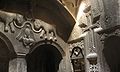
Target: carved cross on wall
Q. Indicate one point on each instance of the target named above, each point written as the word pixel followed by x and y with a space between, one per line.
pixel 91 26
pixel 92 36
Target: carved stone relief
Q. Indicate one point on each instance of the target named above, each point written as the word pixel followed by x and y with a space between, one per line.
pixel 77 56
pixel 47 31
pixel 92 58
pixel 9 19
pixel 77 59
pixel 27 27
pixel 93 68
pixel 78 44
pixel 96 9
pixel 26 36
pixel 93 12
pixel 92 54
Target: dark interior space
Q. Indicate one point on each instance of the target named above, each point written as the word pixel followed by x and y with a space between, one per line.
pixel 4 57
pixel 112 53
pixel 45 58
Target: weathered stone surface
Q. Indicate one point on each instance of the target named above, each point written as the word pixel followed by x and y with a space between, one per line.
pixel 18 65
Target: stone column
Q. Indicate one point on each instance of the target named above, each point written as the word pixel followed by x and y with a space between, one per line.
pixel 18 64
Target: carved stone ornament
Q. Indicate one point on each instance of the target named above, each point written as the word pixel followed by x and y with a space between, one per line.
pixel 47 35
pixel 47 32
pixel 78 44
pixel 77 53
pixel 9 19
pixel 35 25
pixel 27 27
pixel 93 68
pixel 14 19
pixel 92 58
pixel 77 56
pixel 26 35
pixel 77 59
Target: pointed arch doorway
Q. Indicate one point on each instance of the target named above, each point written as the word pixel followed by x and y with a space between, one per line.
pixel 45 58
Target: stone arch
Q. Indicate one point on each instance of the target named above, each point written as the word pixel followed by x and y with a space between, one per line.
pixel 45 56
pixel 9 44
pixel 111 52
pixel 6 53
pixel 48 42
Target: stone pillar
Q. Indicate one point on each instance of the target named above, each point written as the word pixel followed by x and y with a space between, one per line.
pixel 18 64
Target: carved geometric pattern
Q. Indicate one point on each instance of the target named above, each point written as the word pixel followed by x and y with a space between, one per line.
pixel 35 26
pixel 77 44
pixel 93 68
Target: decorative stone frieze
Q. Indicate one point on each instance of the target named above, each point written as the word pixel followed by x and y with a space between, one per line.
pixel 27 28
pixel 78 44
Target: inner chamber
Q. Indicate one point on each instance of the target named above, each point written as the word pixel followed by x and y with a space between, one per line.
pixel 111 52
pixel 45 58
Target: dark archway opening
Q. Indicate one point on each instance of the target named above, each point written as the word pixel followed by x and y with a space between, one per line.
pixel 4 56
pixel 111 52
pixel 45 58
